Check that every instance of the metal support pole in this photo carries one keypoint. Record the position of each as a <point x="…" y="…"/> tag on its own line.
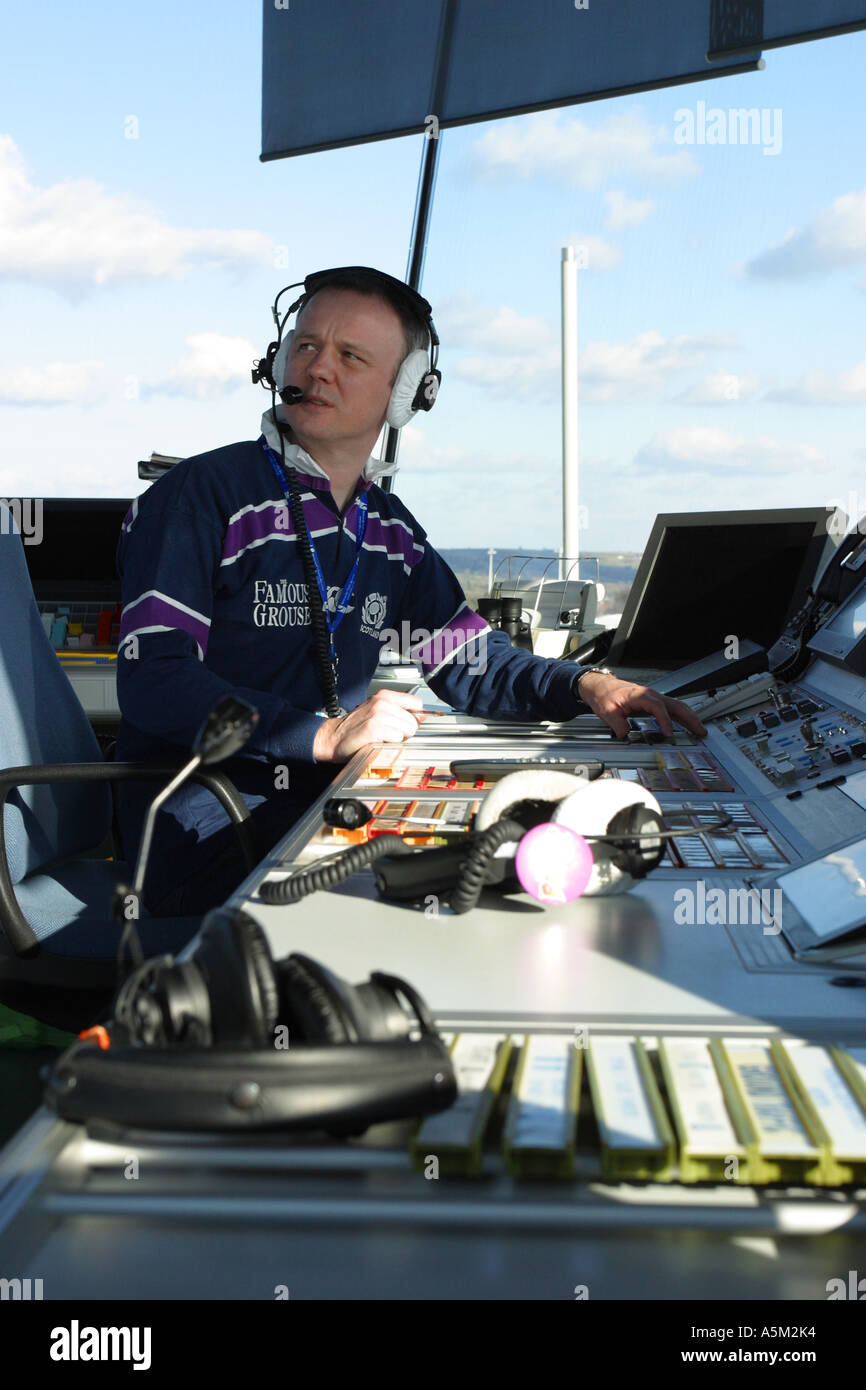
<point x="417" y="251"/>
<point x="570" y="477"/>
<point x="426" y="183"/>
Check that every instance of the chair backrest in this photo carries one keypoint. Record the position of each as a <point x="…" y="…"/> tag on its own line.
<point x="41" y="721"/>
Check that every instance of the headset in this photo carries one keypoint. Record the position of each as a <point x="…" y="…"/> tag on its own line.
<point x="418" y="379"/>
<point x="233" y="1040"/>
<point x="622" y="822"/>
<point x="612" y="831"/>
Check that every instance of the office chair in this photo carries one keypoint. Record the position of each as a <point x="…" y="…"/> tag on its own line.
<point x="58" y="944"/>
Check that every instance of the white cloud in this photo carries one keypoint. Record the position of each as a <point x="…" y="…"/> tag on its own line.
<point x="75" y="235"/>
<point x="419" y="455"/>
<point x="55" y="383"/>
<point x="535" y="375"/>
<point x="580" y="154"/>
<point x="504" y="496"/>
<point x="835" y="237"/>
<point x="520" y="355"/>
<point x="708" y="449"/>
<point x="626" y="212"/>
<point x="721" y="388"/>
<point x="213" y="365"/>
<point x="825" y="388"/>
<point x="463" y="322"/>
<point x="618" y="371"/>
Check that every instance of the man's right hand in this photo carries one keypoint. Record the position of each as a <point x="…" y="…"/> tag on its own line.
<point x="389" y="716"/>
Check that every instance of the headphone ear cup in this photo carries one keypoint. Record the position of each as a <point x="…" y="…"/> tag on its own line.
<point x="401" y="406"/>
<point x="636" y="856"/>
<point x="238" y="970"/>
<point x="279" y="368"/>
<point x="307" y="1005"/>
<point x="428" y="390"/>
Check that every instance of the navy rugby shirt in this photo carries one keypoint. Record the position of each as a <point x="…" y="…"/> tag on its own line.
<point x="214" y="601"/>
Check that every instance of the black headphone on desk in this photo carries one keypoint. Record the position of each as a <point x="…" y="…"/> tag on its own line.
<point x="418" y="379"/>
<point x="233" y="1040"/>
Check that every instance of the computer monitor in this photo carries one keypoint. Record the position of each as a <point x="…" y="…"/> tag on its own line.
<point x="708" y="576"/>
<point x="74" y="559"/>
<point x="842" y="639"/>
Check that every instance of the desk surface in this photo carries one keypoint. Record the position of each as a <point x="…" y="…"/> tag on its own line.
<point x="220" y="1218"/>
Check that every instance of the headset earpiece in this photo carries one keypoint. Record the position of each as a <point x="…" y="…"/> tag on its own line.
<point x="319" y="1007"/>
<point x="281" y="361"/>
<point x="637" y="856"/>
<point x="263" y="370"/>
<point x="428" y="391"/>
<point x="309" y="1005"/>
<point x="239" y="975"/>
<point x="597" y="809"/>
<point x="415" y="388"/>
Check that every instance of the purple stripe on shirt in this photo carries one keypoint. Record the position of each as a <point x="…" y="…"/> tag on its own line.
<point x="464" y="627"/>
<point x="275" y="520"/>
<point x="395" y="539"/>
<point x="255" y="525"/>
<point x="160" y="612"/>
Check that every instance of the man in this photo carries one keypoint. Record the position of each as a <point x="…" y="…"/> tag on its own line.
<point x="216" y="600"/>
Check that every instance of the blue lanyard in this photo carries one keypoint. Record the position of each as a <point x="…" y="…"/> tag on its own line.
<point x="333" y="620"/>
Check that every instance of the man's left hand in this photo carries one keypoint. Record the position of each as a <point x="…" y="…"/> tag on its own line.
<point x="613" y="699"/>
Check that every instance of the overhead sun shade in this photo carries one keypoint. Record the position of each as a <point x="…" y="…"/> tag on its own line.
<point x="340" y="72"/>
<point x="736" y="25"/>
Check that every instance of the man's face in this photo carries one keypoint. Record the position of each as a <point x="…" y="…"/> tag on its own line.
<point x="344" y="355"/>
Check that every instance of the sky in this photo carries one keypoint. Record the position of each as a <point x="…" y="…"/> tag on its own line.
<point x="722" y="288"/>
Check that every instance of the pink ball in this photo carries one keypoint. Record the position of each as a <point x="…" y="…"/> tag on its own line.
<point x="554" y="863"/>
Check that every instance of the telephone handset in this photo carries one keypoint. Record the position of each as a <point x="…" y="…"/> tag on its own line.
<point x="789" y="656"/>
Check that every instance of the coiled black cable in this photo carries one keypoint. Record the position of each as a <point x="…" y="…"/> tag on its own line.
<point x="334" y="870"/>
<point x="321" y="640"/>
<point x="471" y="871"/>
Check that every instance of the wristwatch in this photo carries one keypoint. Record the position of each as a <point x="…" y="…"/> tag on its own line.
<point x="588" y="670"/>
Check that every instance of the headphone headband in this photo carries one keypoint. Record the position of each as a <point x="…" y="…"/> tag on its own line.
<point x="320" y="278"/>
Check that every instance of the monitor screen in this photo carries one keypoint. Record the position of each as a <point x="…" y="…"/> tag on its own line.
<point x="844" y="630"/>
<point x="829" y="895"/>
<point x="708" y="576"/>
<point x="850" y="620"/>
<point x="843" y="637"/>
<point x="70" y="545"/>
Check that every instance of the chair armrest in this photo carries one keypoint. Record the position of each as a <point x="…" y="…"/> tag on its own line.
<point x="16" y="928"/>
